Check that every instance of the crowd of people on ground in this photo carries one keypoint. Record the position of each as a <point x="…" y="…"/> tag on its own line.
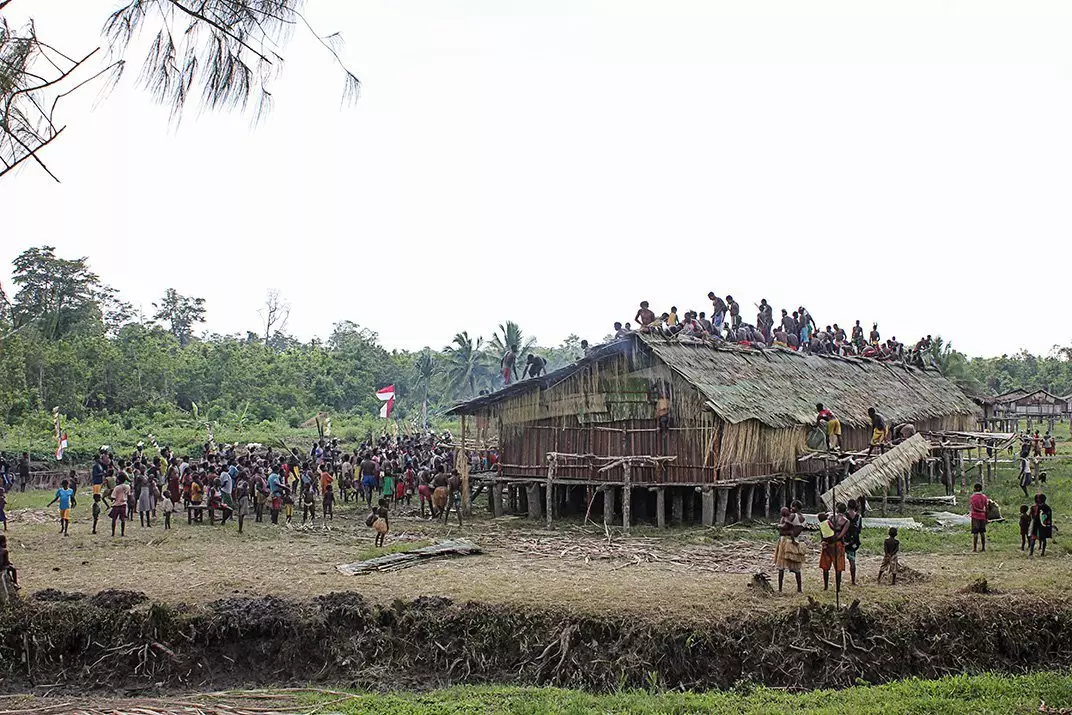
<point x="259" y="482"/>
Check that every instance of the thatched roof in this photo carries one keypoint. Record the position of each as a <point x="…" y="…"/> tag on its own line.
<point x="880" y="472"/>
<point x="780" y="387"/>
<point x="776" y="386"/>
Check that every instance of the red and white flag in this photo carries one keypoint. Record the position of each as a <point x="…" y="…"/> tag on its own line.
<point x="387" y="396"/>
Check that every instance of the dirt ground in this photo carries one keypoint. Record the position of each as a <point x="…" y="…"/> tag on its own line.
<point x="683" y="572"/>
<point x="252" y="702"/>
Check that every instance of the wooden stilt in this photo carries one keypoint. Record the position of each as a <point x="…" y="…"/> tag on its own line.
<point x="677" y="505"/>
<point x="707" y="496"/>
<point x="690" y="506"/>
<point x="660" y="507"/>
<point x="627" y="496"/>
<point x="608" y="503"/>
<point x="766" y="500"/>
<point x="948" y="476"/>
<point x="740" y="503"/>
<point x="496" y="499"/>
<point x="550" y="495"/>
<point x="749" y="498"/>
<point x="532" y="498"/>
<point x="723" y="502"/>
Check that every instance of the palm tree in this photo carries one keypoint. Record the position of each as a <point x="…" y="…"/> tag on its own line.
<point x="467" y="363"/>
<point x="953" y="365"/>
<point x="510" y="337"/>
<point x="424" y="369"/>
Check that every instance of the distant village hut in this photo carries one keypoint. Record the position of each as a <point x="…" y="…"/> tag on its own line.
<point x="673" y="431"/>
<point x="1006" y="411"/>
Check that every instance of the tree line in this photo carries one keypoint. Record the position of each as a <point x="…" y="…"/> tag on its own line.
<point x="68" y="340"/>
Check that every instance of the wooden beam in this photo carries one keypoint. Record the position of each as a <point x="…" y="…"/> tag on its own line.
<point x="466" y="506"/>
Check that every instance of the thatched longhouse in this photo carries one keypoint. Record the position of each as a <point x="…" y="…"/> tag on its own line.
<point x="647" y="412"/>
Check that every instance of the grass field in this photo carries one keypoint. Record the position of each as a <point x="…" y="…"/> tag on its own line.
<point x="970" y="695"/>
<point x="957" y="695"/>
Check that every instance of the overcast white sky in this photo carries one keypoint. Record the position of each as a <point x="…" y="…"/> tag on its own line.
<point x="555" y="162"/>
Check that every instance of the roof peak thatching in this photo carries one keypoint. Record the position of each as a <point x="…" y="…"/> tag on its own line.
<point x="776" y="386"/>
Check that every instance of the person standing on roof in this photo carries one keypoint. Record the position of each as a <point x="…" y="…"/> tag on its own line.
<point x="645" y="316"/>
<point x="735" y="312"/>
<point x="880" y="430"/>
<point x="858" y="336"/>
<point x="874" y="337"/>
<point x="508" y="363"/>
<point x="718" y="311"/>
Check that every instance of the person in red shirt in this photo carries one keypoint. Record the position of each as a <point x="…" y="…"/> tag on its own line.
<point x="978" y="504"/>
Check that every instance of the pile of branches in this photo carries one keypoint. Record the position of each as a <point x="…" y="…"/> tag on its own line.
<point x="729" y="557"/>
<point x="339" y="637"/>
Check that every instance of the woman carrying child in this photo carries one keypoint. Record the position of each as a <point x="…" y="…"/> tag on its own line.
<point x="789" y="553"/>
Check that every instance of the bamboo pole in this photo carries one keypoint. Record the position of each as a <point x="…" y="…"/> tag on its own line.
<point x="627" y="496"/>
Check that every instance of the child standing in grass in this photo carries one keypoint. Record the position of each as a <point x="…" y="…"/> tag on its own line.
<point x="1025" y="526"/>
<point x="168" y="507"/>
<point x="890" y="547"/>
<point x="119" y="504"/>
<point x="382" y="522"/>
<point x="96" y="510"/>
<point x="241" y="497"/>
<point x="329" y="503"/>
<point x="65" y="496"/>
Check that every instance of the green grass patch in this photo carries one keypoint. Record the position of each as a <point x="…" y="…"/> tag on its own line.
<point x="974" y="695"/>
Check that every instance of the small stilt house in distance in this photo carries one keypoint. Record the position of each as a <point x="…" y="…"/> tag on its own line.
<point x="646" y="415"/>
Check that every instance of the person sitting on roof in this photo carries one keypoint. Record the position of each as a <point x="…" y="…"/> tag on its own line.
<point x="705" y="323"/>
<point x="620" y="332"/>
<point x="534" y="366"/>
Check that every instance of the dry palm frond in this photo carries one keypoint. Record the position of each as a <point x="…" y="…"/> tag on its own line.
<point x="880" y="473"/>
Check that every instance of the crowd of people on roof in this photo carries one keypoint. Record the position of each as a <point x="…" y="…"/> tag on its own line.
<point x="795" y="330"/>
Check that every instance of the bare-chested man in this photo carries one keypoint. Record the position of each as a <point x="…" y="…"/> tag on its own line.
<point x="645" y="316"/>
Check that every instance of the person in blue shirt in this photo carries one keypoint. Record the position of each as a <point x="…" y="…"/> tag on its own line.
<point x="275" y="490"/>
<point x="65" y="496"/>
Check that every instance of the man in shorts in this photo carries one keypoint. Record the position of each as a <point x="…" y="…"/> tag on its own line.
<point x="978" y="504"/>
